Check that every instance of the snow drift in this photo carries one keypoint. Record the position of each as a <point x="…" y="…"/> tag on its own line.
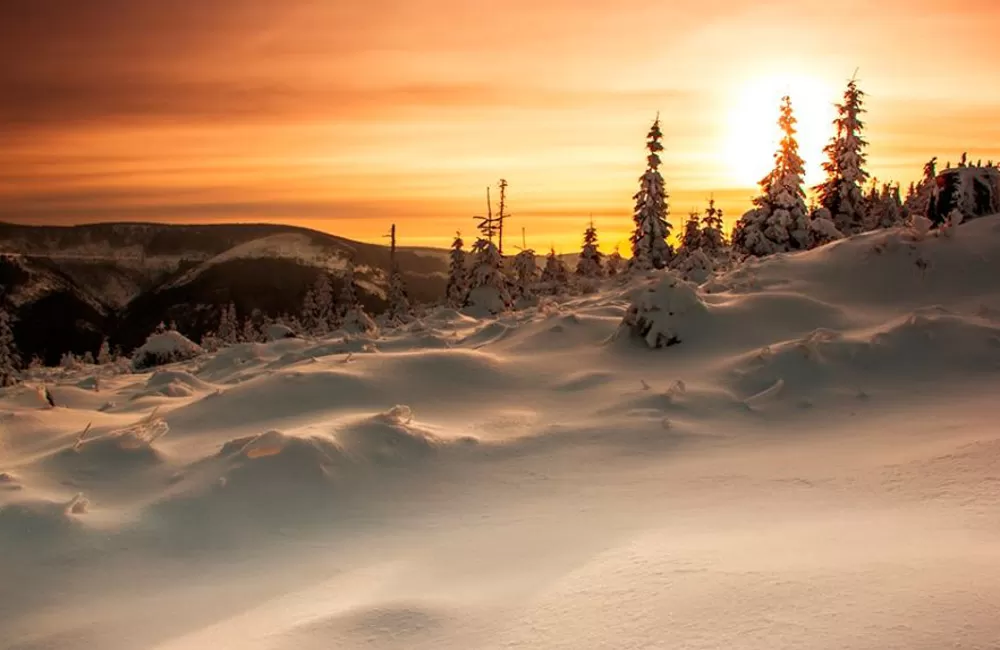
<point x="810" y="461"/>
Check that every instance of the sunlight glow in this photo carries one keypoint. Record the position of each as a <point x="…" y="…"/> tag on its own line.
<point x="752" y="132"/>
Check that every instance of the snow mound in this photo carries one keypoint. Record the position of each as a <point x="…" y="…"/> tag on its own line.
<point x="390" y="437"/>
<point x="106" y="456"/>
<point x="277" y="332"/>
<point x="172" y="383"/>
<point x="24" y="525"/>
<point x="275" y="459"/>
<point x="666" y="314"/>
<point x="485" y="301"/>
<point x="929" y="345"/>
<point x="357" y="321"/>
<point x="161" y="349"/>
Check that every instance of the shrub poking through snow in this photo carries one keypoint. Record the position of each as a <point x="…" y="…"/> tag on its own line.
<point x="163" y="348"/>
<point x="666" y="314"/>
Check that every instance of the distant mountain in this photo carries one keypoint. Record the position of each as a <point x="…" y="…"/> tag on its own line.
<point x="68" y="287"/>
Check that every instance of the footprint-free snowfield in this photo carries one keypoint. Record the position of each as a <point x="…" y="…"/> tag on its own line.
<point x="814" y="464"/>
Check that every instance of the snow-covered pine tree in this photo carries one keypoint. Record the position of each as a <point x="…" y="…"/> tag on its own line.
<point x="458" y="274"/>
<point x="399" y="310"/>
<point x="918" y="202"/>
<point x="841" y="193"/>
<point x="614" y="263"/>
<point x="690" y="261"/>
<point x="227" y="332"/>
<point x="525" y="272"/>
<point x="713" y="239"/>
<point x="779" y="222"/>
<point x="487" y="285"/>
<point x="649" y="239"/>
<point x="104" y="353"/>
<point x="249" y="332"/>
<point x="348" y="298"/>
<point x="317" y="306"/>
<point x="555" y="275"/>
<point x="890" y="207"/>
<point x="352" y="315"/>
<point x="10" y="361"/>
<point x="589" y="265"/>
<point x="691" y="239"/>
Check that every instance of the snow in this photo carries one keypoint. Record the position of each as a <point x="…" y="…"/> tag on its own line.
<point x="167" y="347"/>
<point x="813" y="464"/>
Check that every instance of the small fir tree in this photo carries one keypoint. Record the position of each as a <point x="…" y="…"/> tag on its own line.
<point x="691" y="239"/>
<point x="713" y="239"/>
<point x="555" y="275"/>
<point x="487" y="287"/>
<point x="400" y="310"/>
<point x="589" y="265"/>
<point x="348" y="299"/>
<point x="614" y="263"/>
<point x="649" y="239"/>
<point x="104" y="353"/>
<point x="525" y="272"/>
<point x="457" y="290"/>
<point x="317" y="306"/>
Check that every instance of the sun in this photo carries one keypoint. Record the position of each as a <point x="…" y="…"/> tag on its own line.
<point x="751" y="134"/>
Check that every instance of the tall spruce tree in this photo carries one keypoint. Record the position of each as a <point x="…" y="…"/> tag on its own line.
<point x="841" y="193"/>
<point x="779" y="222"/>
<point x="713" y="239"/>
<point x="649" y="239"/>
<point x="458" y="274"/>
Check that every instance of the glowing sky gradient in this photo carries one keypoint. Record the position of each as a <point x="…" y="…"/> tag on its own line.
<point x="346" y="115"/>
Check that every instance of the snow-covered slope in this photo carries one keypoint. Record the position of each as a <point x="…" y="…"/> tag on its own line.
<point x="813" y="465"/>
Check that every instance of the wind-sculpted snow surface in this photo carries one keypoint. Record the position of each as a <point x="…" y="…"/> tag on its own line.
<point x="797" y="453"/>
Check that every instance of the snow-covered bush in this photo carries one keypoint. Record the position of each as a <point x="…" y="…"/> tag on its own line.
<point x="166" y="347"/>
<point x="822" y="229"/>
<point x="666" y="314"/>
<point x="489" y="287"/>
<point x="693" y="265"/>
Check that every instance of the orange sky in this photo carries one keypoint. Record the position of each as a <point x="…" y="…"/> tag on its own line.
<point x="346" y="116"/>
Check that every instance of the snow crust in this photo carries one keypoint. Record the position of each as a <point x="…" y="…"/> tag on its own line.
<point x="812" y="464"/>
